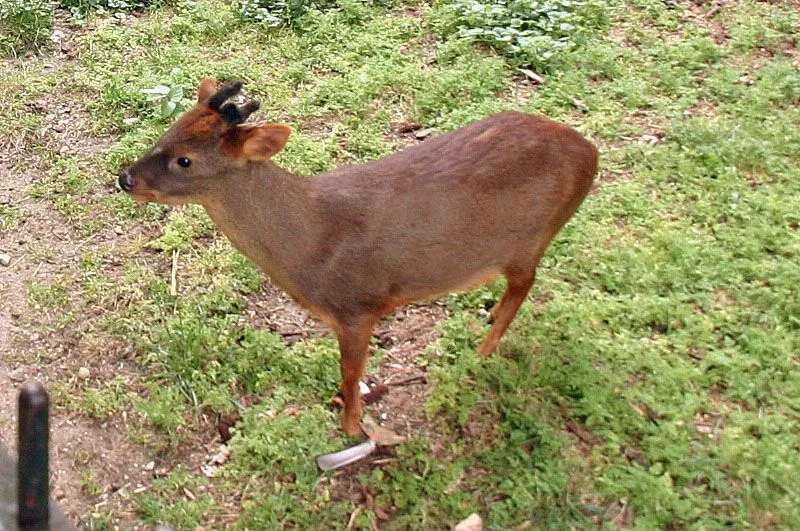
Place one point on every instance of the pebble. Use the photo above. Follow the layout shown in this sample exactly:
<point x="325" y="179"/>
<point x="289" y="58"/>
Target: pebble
<point x="5" y="259"/>
<point x="83" y="373"/>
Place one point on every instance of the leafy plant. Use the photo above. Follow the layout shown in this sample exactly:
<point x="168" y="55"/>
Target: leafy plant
<point x="277" y="13"/>
<point x="170" y="100"/>
<point x="24" y="25"/>
<point x="274" y="12"/>
<point x="80" y="8"/>
<point x="530" y="32"/>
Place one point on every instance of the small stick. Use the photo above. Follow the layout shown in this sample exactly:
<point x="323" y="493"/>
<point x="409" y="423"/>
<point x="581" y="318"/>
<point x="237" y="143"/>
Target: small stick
<point x="173" y="287"/>
<point x="419" y="378"/>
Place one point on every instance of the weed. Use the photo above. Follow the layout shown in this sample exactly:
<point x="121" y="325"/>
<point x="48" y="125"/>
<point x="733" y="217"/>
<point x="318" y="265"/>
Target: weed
<point x="24" y="25"/>
<point x="100" y="402"/>
<point x="9" y="217"/>
<point x="81" y="8"/>
<point x="47" y="296"/>
<point x="530" y="32"/>
<point x="176" y="499"/>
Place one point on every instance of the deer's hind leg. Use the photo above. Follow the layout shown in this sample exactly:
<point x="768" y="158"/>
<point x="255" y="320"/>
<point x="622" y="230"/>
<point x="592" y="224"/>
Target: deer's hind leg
<point x="520" y="279"/>
<point x="353" y="338"/>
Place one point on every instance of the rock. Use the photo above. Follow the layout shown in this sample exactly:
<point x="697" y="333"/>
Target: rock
<point x="83" y="373"/>
<point x="5" y="259"/>
<point x="422" y="134"/>
<point x="472" y="522"/>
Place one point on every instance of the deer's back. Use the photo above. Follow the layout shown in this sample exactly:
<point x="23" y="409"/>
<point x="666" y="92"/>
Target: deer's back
<point x="452" y="210"/>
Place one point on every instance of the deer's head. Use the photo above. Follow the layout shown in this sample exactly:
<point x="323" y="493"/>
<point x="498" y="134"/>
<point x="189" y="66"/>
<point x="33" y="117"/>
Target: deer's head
<point x="208" y="144"/>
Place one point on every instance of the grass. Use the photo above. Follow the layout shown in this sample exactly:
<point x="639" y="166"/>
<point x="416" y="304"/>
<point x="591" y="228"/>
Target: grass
<point x="24" y="26"/>
<point x="651" y="381"/>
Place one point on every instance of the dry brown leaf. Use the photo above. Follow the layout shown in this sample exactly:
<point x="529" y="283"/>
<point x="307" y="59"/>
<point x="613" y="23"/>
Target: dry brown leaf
<point x="379" y="434"/>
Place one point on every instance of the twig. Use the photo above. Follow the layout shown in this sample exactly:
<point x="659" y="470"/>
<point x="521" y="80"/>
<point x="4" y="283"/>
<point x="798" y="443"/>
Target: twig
<point x="530" y="74"/>
<point x="418" y="378"/>
<point x="173" y="287"/>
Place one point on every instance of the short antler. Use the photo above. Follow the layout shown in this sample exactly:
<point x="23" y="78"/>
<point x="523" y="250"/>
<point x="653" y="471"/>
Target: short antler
<point x="230" y="112"/>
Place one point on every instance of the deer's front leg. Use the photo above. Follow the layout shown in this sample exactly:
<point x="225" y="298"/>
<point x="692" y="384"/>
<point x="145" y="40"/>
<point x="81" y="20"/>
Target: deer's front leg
<point x="353" y="347"/>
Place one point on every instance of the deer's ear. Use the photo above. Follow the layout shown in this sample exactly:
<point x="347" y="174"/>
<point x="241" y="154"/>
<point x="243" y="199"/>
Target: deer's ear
<point x="207" y="87"/>
<point x="259" y="140"/>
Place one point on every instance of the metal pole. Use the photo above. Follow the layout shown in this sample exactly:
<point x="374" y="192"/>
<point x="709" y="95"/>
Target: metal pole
<point x="32" y="466"/>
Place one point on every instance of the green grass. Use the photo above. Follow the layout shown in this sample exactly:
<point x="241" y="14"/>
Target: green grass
<point x="9" y="217"/>
<point x="652" y="379"/>
<point x="24" y="26"/>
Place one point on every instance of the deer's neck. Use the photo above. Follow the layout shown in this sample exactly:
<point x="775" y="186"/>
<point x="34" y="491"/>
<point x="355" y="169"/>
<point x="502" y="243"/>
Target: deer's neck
<point x="268" y="215"/>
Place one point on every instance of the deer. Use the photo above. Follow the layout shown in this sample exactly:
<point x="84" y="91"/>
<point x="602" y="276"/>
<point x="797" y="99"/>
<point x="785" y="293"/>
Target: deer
<point x="353" y="244"/>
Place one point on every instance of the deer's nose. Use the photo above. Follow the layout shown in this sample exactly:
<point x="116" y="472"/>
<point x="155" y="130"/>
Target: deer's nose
<point x="126" y="181"/>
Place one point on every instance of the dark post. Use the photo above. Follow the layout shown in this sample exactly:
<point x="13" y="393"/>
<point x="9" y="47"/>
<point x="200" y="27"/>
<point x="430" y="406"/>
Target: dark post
<point x="32" y="465"/>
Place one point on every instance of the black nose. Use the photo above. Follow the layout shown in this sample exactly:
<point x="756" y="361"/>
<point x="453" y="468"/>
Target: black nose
<point x="126" y="182"/>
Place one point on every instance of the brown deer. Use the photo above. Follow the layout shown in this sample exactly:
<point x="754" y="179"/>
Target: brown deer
<point x="354" y="243"/>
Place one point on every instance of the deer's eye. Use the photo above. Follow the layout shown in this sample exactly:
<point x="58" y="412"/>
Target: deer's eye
<point x="183" y="162"/>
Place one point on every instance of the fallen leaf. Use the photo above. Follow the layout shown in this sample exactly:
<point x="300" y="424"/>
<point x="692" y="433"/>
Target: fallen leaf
<point x="379" y="434"/>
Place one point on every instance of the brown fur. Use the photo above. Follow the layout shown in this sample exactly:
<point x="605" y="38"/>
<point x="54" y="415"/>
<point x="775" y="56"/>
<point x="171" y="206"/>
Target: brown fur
<point x="354" y="243"/>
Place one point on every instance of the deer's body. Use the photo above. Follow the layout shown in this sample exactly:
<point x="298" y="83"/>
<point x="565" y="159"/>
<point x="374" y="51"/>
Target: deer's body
<point x="354" y="243"/>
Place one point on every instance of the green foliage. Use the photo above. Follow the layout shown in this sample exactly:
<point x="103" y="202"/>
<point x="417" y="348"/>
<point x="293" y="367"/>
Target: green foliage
<point x="275" y="13"/>
<point x="529" y="32"/>
<point x="99" y="402"/>
<point x="280" y="12"/>
<point x="24" y="25"/>
<point x="166" y="502"/>
<point x="44" y="296"/>
<point x="163" y="408"/>
<point x="81" y="8"/>
<point x="170" y="100"/>
<point x="181" y="229"/>
<point x="9" y="217"/>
